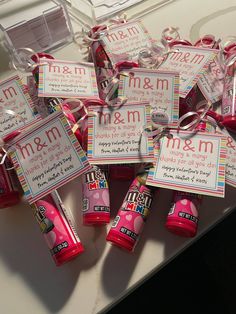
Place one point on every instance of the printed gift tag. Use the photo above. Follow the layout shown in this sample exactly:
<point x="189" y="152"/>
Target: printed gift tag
<point x="66" y="79"/>
<point x="230" y="168"/>
<point x="160" y="89"/>
<point x="14" y="96"/>
<point x="114" y="137"/>
<point x="190" y="62"/>
<point x="189" y="163"/>
<point x="47" y="157"/>
<point x="124" y="41"/>
<point x="211" y="83"/>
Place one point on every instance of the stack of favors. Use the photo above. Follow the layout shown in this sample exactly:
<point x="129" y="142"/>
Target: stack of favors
<point x="160" y="113"/>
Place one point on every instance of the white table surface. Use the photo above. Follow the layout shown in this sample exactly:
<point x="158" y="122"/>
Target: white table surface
<point x="31" y="283"/>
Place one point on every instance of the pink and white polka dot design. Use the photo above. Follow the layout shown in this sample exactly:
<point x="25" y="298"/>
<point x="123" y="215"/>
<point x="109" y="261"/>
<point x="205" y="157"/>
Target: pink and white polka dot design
<point x="131" y="220"/>
<point x="187" y="203"/>
<point x="60" y="236"/>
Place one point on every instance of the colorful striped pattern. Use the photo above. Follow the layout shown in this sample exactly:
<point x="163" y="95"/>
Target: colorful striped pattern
<point x="219" y="189"/>
<point x="20" y="174"/>
<point x="42" y="76"/>
<point x="28" y="103"/>
<point x="33" y="197"/>
<point x="174" y="76"/>
<point x="135" y="158"/>
<point x="175" y="108"/>
<point x="195" y="78"/>
<point x="108" y="49"/>
<point x="217" y="95"/>
<point x="41" y="79"/>
<point x="230" y="182"/>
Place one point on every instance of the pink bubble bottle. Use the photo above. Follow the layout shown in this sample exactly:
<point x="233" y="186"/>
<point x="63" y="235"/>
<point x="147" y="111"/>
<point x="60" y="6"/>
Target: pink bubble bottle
<point x="96" y="200"/>
<point x="183" y="218"/>
<point x="183" y="215"/>
<point x="129" y="222"/>
<point x="56" y="226"/>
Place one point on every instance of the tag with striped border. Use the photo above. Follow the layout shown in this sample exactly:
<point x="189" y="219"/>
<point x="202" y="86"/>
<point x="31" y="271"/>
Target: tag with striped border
<point x="14" y="96"/>
<point x="115" y="135"/>
<point x="191" y="163"/>
<point x="159" y="88"/>
<point x="190" y="62"/>
<point x="47" y="156"/>
<point x="67" y="79"/>
<point x="124" y="41"/>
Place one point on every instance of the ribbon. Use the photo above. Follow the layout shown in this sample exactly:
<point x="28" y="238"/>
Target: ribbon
<point x="198" y="116"/>
<point x="112" y="86"/>
<point x="82" y="105"/>
<point x="167" y="35"/>
<point x="224" y="45"/>
<point x="156" y="131"/>
<point x="85" y="39"/>
<point x="118" y="19"/>
<point x="155" y="56"/>
<point x="4" y="147"/>
<point x="25" y="63"/>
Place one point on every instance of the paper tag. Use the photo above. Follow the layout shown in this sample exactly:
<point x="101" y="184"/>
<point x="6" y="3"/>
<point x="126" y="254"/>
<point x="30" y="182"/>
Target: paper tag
<point x="66" y="79"/>
<point x="189" y="163"/>
<point x="211" y="83"/>
<point x="14" y="96"/>
<point x="160" y="89"/>
<point x="125" y="41"/>
<point x="191" y="62"/>
<point x="230" y="167"/>
<point x="115" y="136"/>
<point x="47" y="157"/>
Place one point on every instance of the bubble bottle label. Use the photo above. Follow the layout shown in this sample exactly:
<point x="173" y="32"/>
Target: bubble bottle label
<point x="183" y="215"/>
<point x="129" y="222"/>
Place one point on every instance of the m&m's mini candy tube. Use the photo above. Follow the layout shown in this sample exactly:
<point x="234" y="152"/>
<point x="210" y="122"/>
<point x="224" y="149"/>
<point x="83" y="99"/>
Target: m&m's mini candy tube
<point x="96" y="200"/>
<point x="129" y="222"/>
<point x="59" y="233"/>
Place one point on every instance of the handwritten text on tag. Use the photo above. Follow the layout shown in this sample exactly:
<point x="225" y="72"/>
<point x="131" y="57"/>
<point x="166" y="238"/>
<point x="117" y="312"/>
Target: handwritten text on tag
<point x="126" y="39"/>
<point x="191" y="62"/>
<point x="160" y="89"/>
<point x="230" y="169"/>
<point x="66" y="79"/>
<point x="191" y="163"/>
<point x="47" y="157"/>
<point x="211" y="82"/>
<point x="14" y="96"/>
<point x="115" y="136"/>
